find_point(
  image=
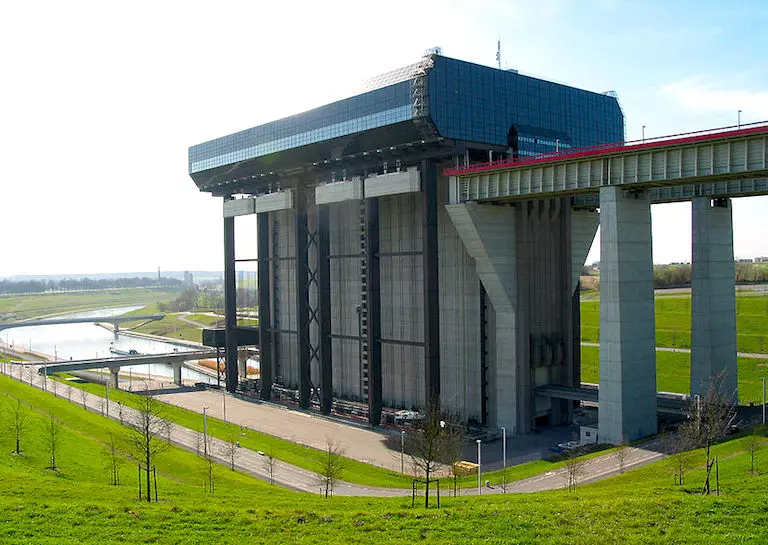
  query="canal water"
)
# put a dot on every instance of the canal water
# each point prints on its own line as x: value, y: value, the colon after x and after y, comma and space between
x: 87, y: 341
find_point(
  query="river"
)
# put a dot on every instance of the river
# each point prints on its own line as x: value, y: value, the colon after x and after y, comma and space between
x: 86, y: 341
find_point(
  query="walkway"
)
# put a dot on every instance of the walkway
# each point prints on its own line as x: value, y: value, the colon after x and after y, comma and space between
x: 299, y: 479
x: 688, y: 351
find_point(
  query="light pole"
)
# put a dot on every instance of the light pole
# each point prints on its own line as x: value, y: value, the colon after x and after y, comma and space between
x: 106, y: 384
x: 504, y: 445
x: 738, y: 119
x: 479, y: 470
x: 643, y: 133
x: 402, y: 445
x: 224, y: 402
x: 205, y: 432
x: 763, y: 379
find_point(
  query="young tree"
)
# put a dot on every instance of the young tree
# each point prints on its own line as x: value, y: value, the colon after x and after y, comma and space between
x: 84, y: 397
x: 331, y: 462
x: 19, y: 416
x: 269, y: 465
x: 146, y: 431
x: 115, y: 461
x: 208, y: 472
x: 53, y: 439
x: 434, y: 443
x: 679, y: 454
x: 574, y: 469
x: 231, y: 449
x: 622, y: 452
x: 710, y: 416
x: 752, y: 446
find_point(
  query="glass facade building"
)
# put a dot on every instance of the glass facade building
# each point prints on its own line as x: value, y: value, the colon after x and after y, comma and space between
x: 437, y: 98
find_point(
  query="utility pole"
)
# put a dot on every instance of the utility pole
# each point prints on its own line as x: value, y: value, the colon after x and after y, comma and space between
x: 205, y: 432
x: 479, y: 471
x: 402, y: 444
x: 504, y: 445
x: 763, y: 379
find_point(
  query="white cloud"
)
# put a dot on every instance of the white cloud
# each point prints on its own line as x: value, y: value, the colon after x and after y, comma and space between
x: 701, y: 97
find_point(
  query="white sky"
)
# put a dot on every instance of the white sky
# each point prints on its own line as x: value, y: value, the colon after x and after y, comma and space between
x: 100, y: 101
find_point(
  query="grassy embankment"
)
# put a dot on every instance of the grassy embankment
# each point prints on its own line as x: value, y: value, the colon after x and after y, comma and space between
x: 33, y: 306
x: 174, y: 326
x: 76, y: 505
x: 673, y: 329
x: 306, y: 457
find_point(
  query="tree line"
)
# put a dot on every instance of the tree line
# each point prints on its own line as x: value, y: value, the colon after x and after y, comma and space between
x: 18, y: 287
x: 679, y: 274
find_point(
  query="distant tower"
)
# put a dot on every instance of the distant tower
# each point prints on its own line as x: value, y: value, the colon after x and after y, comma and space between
x: 158, y: 274
x: 498, y: 53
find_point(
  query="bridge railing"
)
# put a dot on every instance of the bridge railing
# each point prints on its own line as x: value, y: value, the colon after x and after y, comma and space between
x: 744, y: 129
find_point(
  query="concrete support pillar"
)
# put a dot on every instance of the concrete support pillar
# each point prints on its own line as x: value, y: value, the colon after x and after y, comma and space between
x: 265, y: 311
x: 489, y: 235
x: 114, y: 381
x: 230, y: 305
x: 584, y: 224
x: 713, y: 306
x: 177, y: 374
x: 627, y: 396
x: 431, y: 282
x: 242, y: 363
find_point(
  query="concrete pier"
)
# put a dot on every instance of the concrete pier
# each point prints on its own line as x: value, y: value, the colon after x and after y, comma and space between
x: 713, y: 305
x: 177, y: 374
x: 114, y: 380
x: 627, y: 396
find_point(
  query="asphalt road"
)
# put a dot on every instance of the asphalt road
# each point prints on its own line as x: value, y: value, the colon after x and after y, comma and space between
x: 296, y: 478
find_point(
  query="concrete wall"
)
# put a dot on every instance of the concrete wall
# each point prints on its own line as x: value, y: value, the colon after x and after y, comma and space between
x: 402, y: 312
x: 345, y: 296
x: 459, y: 318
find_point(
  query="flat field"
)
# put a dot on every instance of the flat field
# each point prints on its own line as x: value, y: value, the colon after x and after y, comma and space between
x: 33, y: 306
x: 673, y: 321
x: 673, y: 372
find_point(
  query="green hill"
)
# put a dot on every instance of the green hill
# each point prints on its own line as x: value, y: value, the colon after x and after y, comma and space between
x: 77, y: 505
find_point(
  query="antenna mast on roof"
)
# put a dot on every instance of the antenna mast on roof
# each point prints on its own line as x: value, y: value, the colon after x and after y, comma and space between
x: 498, y: 53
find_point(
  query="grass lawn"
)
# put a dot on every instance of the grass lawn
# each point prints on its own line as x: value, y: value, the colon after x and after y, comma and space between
x: 673, y: 372
x: 31, y: 306
x: 77, y: 505
x: 673, y: 321
x: 170, y: 326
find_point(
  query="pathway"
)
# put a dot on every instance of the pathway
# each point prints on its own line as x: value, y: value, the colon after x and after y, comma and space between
x: 296, y: 478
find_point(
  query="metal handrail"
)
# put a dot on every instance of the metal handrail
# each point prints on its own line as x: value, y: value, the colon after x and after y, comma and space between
x: 744, y: 129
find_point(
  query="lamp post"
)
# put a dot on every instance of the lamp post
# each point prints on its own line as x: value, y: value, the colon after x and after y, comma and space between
x: 504, y: 445
x: 643, y: 133
x: 402, y: 446
x: 763, y: 379
x: 738, y: 120
x: 224, y: 402
x: 479, y: 470
x: 205, y: 432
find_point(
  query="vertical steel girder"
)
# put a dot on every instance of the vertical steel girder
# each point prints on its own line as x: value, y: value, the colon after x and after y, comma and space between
x: 324, y: 304
x: 307, y: 277
x: 373, y: 302
x: 302, y: 297
x: 265, y: 338
x: 431, y: 286
x: 230, y: 305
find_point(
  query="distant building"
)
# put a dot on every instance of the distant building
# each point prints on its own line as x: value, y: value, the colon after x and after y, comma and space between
x: 189, y: 280
x: 762, y: 259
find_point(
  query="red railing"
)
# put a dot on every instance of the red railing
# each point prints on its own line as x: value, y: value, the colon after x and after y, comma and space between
x: 759, y: 127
